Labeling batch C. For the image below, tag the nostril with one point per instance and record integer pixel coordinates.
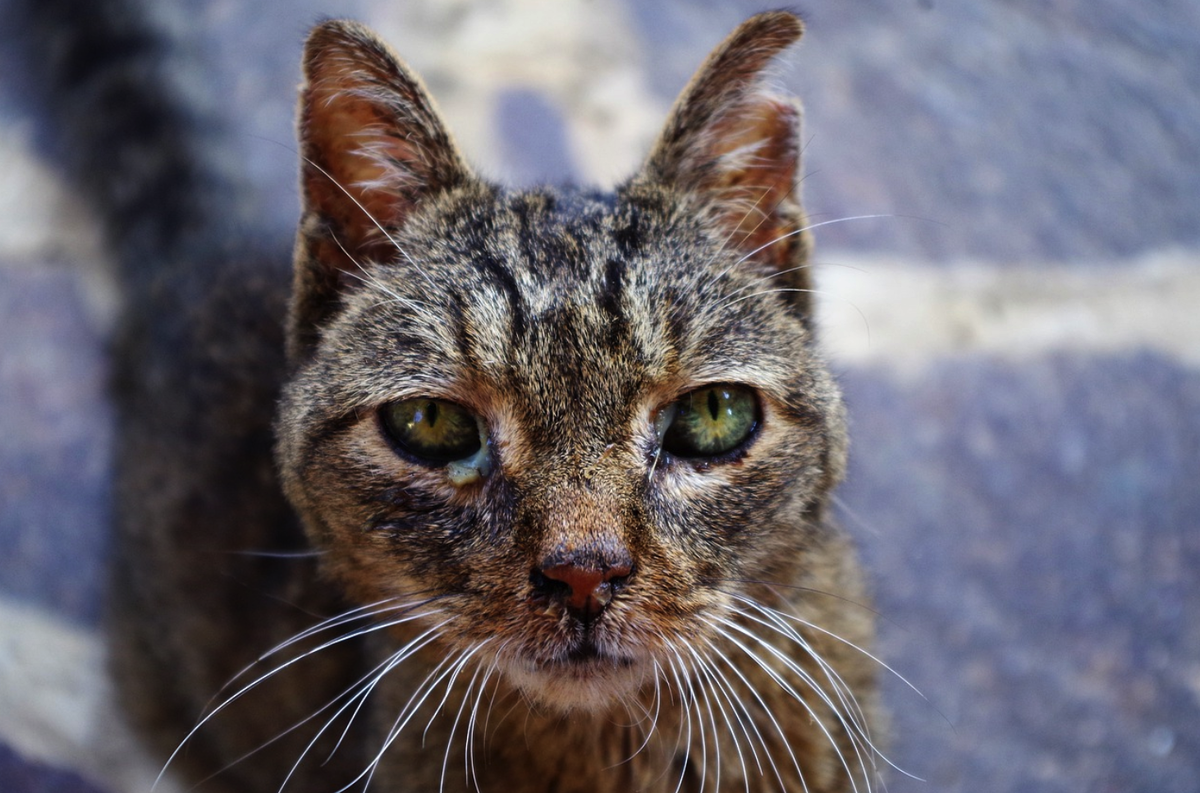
(619, 576)
(544, 586)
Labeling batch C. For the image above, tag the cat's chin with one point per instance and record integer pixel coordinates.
(591, 684)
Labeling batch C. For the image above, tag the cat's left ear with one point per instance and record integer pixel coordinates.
(373, 149)
(735, 147)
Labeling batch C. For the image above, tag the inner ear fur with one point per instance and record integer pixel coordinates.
(373, 148)
(734, 147)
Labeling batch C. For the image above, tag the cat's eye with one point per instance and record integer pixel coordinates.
(435, 431)
(710, 421)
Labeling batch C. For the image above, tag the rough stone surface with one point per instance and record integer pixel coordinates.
(55, 434)
(1034, 532)
(999, 130)
(21, 776)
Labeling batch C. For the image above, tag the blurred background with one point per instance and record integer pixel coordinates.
(1016, 323)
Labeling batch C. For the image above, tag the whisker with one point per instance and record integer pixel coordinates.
(812, 626)
(709, 282)
(241, 692)
(705, 668)
(855, 713)
(753, 722)
(345, 693)
(698, 681)
(778, 273)
(725, 688)
(649, 733)
(457, 716)
(786, 686)
(776, 585)
(371, 218)
(365, 276)
(850, 714)
(776, 623)
(763, 705)
(497, 655)
(469, 760)
(375, 675)
(785, 289)
(686, 710)
(362, 612)
(812, 226)
(416, 700)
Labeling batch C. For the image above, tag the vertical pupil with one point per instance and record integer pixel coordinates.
(431, 413)
(714, 406)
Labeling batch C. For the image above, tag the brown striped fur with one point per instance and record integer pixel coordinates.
(733, 652)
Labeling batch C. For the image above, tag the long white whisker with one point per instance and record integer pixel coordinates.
(845, 694)
(809, 227)
(847, 706)
(699, 722)
(725, 689)
(785, 289)
(371, 217)
(344, 694)
(375, 675)
(365, 276)
(836, 637)
(469, 760)
(686, 710)
(360, 613)
(457, 716)
(716, 277)
(698, 682)
(701, 665)
(765, 708)
(705, 667)
(649, 733)
(257, 681)
(752, 722)
(778, 273)
(780, 615)
(419, 697)
(786, 686)
(776, 623)
(492, 702)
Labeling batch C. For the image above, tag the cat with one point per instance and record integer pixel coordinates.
(496, 490)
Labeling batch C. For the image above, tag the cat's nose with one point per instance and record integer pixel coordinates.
(584, 588)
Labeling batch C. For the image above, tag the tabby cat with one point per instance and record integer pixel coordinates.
(521, 491)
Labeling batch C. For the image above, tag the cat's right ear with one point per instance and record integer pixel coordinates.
(372, 148)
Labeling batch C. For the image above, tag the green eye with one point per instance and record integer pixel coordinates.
(711, 421)
(433, 430)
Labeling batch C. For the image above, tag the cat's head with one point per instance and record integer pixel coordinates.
(562, 427)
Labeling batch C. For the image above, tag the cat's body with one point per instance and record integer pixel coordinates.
(558, 462)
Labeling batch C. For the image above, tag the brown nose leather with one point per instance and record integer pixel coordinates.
(586, 590)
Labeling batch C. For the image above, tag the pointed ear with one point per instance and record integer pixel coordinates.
(735, 147)
(372, 150)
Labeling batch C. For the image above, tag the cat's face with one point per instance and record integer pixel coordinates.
(553, 430)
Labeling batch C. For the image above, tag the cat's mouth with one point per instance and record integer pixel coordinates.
(582, 657)
(585, 677)
(586, 654)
